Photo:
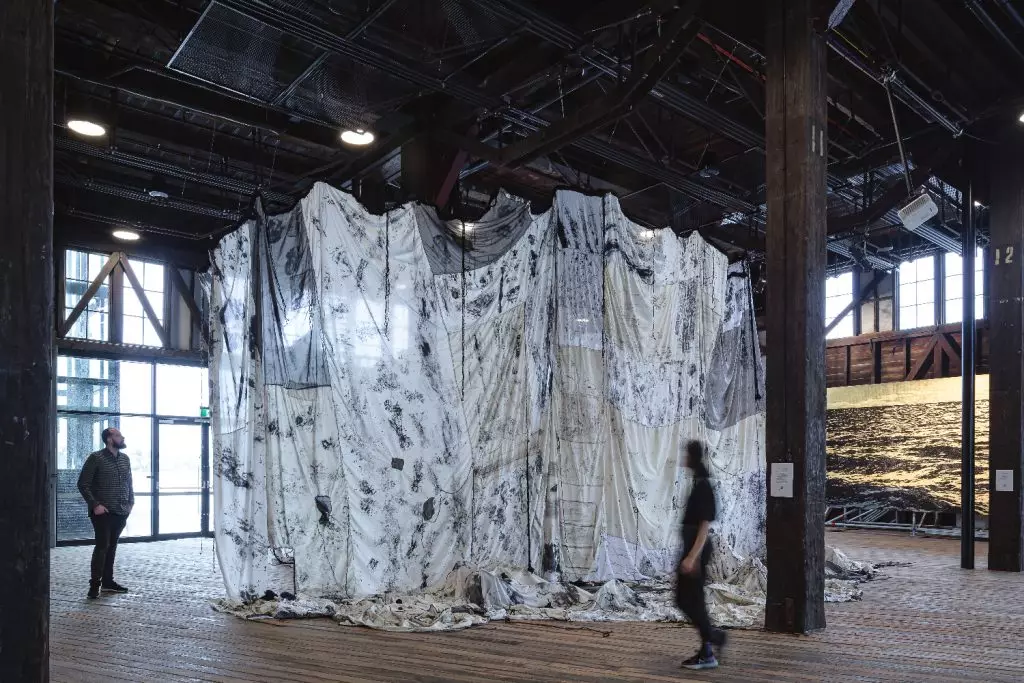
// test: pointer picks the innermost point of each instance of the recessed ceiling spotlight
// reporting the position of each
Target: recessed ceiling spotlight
(1021, 119)
(358, 137)
(126, 235)
(87, 128)
(977, 204)
(158, 194)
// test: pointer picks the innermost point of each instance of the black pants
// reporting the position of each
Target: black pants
(690, 598)
(108, 530)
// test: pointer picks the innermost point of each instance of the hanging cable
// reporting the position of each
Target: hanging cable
(387, 273)
(754, 344)
(463, 296)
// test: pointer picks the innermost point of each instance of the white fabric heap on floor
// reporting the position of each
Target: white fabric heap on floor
(470, 597)
(398, 400)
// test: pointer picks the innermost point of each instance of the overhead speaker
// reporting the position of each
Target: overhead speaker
(918, 211)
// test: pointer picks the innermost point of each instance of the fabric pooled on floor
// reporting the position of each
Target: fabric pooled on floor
(471, 597)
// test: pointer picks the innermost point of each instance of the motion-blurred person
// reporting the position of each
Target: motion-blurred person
(700, 512)
(106, 485)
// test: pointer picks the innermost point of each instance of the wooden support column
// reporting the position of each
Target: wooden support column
(1006, 352)
(797, 136)
(26, 336)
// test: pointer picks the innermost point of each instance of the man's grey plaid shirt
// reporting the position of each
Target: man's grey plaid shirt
(107, 481)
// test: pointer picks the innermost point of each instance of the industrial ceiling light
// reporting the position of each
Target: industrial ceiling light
(709, 165)
(158, 194)
(126, 235)
(1021, 119)
(357, 137)
(87, 128)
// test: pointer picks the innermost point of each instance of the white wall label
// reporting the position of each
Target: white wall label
(782, 480)
(1004, 480)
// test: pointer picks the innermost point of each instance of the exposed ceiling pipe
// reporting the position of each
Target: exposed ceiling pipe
(135, 195)
(141, 227)
(986, 19)
(901, 90)
(1008, 7)
(298, 26)
(169, 170)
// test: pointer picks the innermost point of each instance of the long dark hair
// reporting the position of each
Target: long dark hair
(695, 451)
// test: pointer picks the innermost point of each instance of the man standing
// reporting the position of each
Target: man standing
(106, 485)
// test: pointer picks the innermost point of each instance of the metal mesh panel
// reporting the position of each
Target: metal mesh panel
(232, 50)
(344, 92)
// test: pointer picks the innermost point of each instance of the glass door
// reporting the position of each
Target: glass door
(182, 481)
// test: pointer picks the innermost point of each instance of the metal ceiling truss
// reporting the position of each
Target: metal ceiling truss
(543, 135)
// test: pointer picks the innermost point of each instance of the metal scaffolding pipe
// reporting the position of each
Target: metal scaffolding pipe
(969, 327)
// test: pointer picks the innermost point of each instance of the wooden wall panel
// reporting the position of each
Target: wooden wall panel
(892, 355)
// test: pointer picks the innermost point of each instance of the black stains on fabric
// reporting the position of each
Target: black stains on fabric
(365, 488)
(549, 561)
(425, 348)
(273, 428)
(229, 467)
(417, 476)
(428, 509)
(361, 272)
(329, 444)
(366, 505)
(323, 506)
(397, 464)
(299, 420)
(395, 421)
(386, 379)
(374, 563)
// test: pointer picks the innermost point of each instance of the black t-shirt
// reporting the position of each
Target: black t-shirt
(700, 507)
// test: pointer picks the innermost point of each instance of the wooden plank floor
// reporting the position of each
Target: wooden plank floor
(927, 622)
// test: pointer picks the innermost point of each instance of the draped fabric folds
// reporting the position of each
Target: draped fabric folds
(398, 396)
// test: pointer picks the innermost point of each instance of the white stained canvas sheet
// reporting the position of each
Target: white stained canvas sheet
(400, 398)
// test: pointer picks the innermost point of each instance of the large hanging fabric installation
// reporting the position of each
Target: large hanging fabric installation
(400, 400)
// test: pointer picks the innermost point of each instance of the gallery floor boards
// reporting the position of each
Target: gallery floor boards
(929, 621)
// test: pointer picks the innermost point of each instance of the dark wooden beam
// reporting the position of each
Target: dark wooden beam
(160, 328)
(148, 354)
(1005, 256)
(858, 297)
(27, 418)
(674, 39)
(797, 128)
(950, 348)
(178, 284)
(924, 361)
(94, 287)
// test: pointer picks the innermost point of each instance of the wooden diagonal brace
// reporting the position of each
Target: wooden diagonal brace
(141, 293)
(89, 294)
(178, 283)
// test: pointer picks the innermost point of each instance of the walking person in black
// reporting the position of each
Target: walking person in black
(106, 485)
(700, 512)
